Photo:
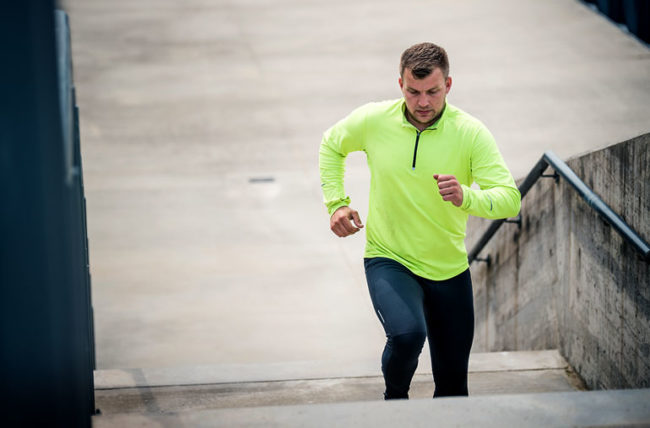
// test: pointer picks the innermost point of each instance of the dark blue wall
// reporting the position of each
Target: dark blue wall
(634, 14)
(46, 329)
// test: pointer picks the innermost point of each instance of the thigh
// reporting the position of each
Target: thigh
(396, 296)
(449, 307)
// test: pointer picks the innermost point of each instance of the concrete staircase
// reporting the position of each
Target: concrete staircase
(532, 388)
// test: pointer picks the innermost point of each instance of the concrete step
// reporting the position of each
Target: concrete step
(165, 390)
(629, 408)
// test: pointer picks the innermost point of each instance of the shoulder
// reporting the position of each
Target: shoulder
(372, 111)
(463, 120)
(382, 111)
(468, 131)
(466, 126)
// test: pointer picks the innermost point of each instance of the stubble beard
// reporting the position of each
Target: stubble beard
(428, 122)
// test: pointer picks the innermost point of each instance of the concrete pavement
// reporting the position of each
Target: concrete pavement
(630, 408)
(274, 372)
(200, 125)
(162, 391)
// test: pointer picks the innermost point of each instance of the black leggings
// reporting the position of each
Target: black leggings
(412, 308)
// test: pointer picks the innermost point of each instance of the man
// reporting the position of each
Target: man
(423, 155)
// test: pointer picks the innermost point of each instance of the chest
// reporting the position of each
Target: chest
(405, 154)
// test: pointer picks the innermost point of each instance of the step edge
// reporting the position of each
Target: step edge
(308, 370)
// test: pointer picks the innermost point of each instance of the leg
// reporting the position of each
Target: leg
(449, 309)
(397, 298)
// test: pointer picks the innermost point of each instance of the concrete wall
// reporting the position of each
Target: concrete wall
(567, 280)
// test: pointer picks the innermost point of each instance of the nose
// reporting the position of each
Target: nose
(423, 101)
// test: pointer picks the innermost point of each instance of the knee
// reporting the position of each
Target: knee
(408, 343)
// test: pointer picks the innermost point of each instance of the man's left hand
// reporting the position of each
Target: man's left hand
(450, 189)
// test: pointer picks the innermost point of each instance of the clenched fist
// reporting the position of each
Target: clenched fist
(345, 222)
(450, 189)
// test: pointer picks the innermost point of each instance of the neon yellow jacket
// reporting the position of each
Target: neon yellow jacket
(407, 219)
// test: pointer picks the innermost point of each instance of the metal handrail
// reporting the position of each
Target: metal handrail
(594, 201)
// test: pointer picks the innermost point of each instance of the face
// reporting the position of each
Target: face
(425, 98)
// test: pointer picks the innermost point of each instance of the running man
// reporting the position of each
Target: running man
(423, 154)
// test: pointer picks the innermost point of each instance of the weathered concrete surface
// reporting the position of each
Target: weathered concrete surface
(630, 408)
(167, 399)
(183, 102)
(566, 279)
(200, 388)
(306, 370)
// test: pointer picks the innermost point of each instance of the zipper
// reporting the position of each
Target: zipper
(415, 151)
(417, 138)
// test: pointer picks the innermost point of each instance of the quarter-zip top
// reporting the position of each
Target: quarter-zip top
(408, 221)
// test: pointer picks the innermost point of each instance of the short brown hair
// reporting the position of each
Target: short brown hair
(423, 58)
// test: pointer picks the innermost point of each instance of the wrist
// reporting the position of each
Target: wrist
(334, 208)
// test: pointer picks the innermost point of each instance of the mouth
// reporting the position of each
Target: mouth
(423, 112)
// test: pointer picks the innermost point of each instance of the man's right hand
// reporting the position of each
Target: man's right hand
(345, 222)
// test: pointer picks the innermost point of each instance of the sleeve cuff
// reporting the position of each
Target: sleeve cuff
(467, 197)
(333, 206)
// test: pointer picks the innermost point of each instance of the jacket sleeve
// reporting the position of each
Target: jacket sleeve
(346, 136)
(498, 196)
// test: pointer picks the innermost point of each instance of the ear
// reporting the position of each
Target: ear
(448, 84)
(401, 84)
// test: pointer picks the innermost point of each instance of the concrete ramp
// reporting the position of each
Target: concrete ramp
(200, 125)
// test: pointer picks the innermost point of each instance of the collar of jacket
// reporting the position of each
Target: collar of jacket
(434, 125)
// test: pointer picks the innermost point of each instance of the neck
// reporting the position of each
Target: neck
(422, 126)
